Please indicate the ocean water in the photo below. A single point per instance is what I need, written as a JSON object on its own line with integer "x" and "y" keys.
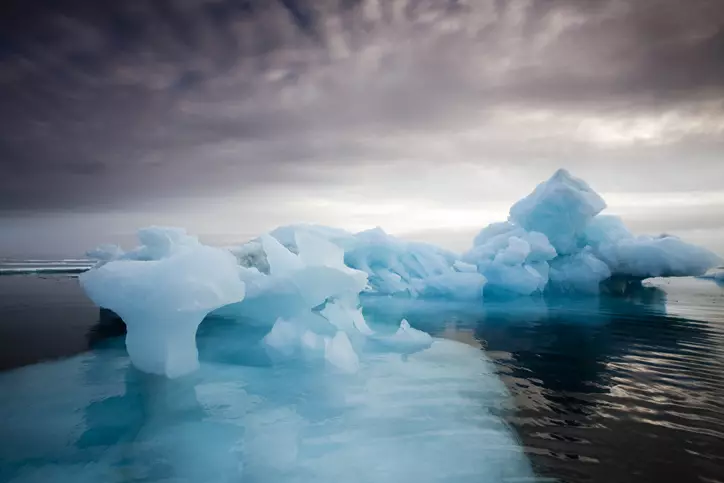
{"x": 594, "y": 389}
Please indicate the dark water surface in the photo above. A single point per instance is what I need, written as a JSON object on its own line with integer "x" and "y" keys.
{"x": 611, "y": 389}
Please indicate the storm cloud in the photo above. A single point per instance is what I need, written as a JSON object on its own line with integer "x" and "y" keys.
{"x": 123, "y": 106}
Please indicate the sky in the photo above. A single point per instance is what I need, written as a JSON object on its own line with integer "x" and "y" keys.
{"x": 428, "y": 118}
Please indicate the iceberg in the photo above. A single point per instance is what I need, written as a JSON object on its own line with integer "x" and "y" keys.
{"x": 162, "y": 290}
{"x": 303, "y": 282}
{"x": 555, "y": 239}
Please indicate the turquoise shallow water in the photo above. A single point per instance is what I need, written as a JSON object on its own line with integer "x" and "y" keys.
{"x": 624, "y": 388}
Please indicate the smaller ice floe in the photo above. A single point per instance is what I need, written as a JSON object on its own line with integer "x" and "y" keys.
{"x": 162, "y": 290}
{"x": 556, "y": 240}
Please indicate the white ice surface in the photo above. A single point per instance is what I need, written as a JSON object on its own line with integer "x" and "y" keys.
{"x": 162, "y": 291}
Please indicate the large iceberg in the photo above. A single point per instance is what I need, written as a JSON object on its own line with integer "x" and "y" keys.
{"x": 556, "y": 240}
{"x": 303, "y": 281}
{"x": 162, "y": 290}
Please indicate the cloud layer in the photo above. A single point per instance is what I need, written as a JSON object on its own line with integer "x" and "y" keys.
{"x": 110, "y": 106}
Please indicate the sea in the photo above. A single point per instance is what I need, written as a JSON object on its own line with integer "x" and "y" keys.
{"x": 625, "y": 387}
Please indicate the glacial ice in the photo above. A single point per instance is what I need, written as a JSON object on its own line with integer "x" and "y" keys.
{"x": 309, "y": 277}
{"x": 556, "y": 240}
{"x": 162, "y": 291}
{"x": 393, "y": 266}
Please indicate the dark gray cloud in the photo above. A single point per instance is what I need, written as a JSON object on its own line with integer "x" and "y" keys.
{"x": 108, "y": 105}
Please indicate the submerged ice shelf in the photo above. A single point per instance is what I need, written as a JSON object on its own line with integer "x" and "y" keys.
{"x": 430, "y": 417}
{"x": 303, "y": 281}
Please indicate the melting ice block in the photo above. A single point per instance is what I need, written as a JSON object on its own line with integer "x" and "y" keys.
{"x": 162, "y": 291}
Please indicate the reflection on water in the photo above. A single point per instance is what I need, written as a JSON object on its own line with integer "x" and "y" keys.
{"x": 604, "y": 389}
{"x": 625, "y": 388}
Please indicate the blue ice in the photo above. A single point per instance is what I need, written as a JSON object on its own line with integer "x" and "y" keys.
{"x": 302, "y": 282}
{"x": 428, "y": 415}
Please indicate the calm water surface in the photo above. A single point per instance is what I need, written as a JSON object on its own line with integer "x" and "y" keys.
{"x": 607, "y": 389}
